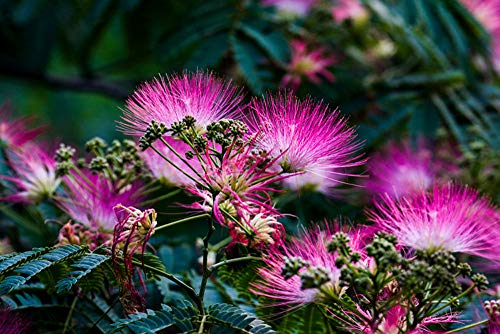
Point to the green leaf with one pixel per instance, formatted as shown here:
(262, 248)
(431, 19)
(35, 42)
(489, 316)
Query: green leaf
(274, 44)
(232, 317)
(84, 267)
(246, 58)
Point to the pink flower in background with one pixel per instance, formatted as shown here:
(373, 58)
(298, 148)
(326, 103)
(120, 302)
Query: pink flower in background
(15, 132)
(395, 321)
(487, 12)
(89, 200)
(348, 9)
(291, 7)
(164, 171)
(169, 99)
(310, 246)
(448, 217)
(400, 171)
(307, 63)
(306, 138)
(12, 323)
(35, 174)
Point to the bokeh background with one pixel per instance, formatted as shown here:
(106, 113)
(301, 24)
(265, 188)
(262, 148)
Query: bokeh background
(399, 67)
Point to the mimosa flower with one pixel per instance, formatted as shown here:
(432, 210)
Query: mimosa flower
(170, 99)
(399, 171)
(35, 175)
(89, 199)
(310, 247)
(291, 7)
(15, 132)
(450, 217)
(309, 63)
(348, 9)
(306, 138)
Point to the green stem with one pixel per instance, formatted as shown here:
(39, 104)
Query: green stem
(466, 292)
(160, 198)
(70, 313)
(206, 270)
(181, 158)
(175, 166)
(239, 259)
(221, 244)
(479, 323)
(189, 290)
(205, 215)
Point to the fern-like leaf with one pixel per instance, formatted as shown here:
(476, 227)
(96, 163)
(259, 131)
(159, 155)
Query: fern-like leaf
(84, 267)
(234, 318)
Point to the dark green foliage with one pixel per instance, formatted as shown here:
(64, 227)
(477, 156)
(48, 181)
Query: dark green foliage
(230, 317)
(83, 267)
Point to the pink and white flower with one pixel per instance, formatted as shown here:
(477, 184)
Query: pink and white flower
(169, 99)
(306, 138)
(307, 62)
(298, 8)
(89, 199)
(348, 9)
(15, 132)
(398, 170)
(448, 217)
(35, 174)
(310, 246)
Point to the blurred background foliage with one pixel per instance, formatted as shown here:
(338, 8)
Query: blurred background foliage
(406, 67)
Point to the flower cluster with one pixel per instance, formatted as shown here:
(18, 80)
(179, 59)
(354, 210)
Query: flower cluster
(234, 165)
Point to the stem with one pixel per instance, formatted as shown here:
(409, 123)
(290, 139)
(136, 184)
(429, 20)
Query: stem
(206, 270)
(239, 259)
(70, 313)
(456, 330)
(205, 215)
(221, 244)
(466, 292)
(175, 166)
(189, 290)
(160, 198)
(181, 158)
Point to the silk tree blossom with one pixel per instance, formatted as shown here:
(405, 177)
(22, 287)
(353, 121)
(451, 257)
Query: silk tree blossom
(164, 171)
(487, 12)
(398, 170)
(35, 174)
(291, 8)
(13, 323)
(394, 321)
(171, 98)
(15, 132)
(448, 217)
(306, 138)
(307, 62)
(237, 193)
(343, 10)
(311, 246)
(89, 200)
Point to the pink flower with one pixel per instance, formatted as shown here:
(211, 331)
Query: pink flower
(311, 246)
(170, 99)
(348, 9)
(89, 199)
(308, 138)
(400, 171)
(12, 323)
(394, 321)
(309, 63)
(35, 176)
(164, 171)
(487, 12)
(15, 133)
(449, 217)
(291, 7)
